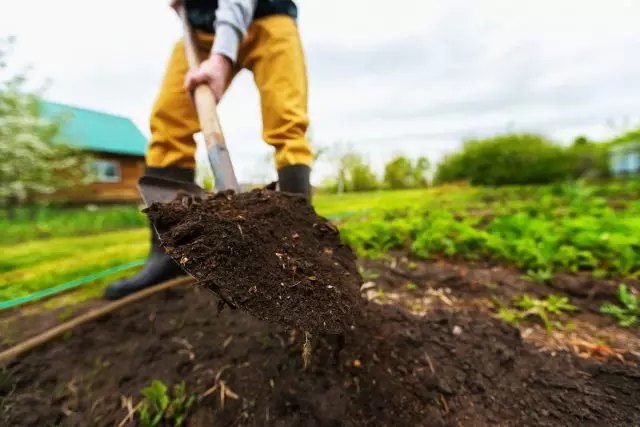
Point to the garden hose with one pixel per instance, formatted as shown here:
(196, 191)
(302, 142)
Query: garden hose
(66, 286)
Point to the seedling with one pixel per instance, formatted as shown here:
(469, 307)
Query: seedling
(368, 275)
(527, 306)
(412, 286)
(628, 314)
(159, 406)
(541, 275)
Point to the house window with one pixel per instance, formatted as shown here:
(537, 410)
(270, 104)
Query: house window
(107, 171)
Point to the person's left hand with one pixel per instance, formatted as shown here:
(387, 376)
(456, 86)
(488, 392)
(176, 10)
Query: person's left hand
(214, 71)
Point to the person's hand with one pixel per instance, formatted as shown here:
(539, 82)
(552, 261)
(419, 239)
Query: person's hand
(214, 71)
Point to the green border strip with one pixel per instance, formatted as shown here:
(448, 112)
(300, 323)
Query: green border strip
(86, 279)
(69, 285)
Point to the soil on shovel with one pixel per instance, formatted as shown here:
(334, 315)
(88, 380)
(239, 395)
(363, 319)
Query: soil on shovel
(447, 368)
(266, 252)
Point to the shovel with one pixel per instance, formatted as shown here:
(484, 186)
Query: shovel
(156, 189)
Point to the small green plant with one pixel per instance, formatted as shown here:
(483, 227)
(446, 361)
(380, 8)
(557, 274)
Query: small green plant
(527, 306)
(159, 406)
(540, 275)
(412, 286)
(628, 314)
(368, 275)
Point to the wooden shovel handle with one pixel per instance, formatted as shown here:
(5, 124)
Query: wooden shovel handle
(206, 103)
(206, 107)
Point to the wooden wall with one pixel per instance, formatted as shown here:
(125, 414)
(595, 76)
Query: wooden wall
(126, 190)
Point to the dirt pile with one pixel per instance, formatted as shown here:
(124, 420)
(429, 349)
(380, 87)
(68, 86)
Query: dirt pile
(446, 369)
(266, 252)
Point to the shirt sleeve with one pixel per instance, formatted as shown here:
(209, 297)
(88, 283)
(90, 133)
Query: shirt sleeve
(233, 18)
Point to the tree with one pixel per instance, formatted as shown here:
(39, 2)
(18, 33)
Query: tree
(420, 171)
(400, 172)
(360, 177)
(34, 160)
(351, 170)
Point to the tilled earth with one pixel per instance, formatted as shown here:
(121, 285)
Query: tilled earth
(447, 368)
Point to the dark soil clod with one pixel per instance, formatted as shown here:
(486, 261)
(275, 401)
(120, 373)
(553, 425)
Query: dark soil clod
(266, 252)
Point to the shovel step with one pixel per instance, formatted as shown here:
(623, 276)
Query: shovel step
(156, 189)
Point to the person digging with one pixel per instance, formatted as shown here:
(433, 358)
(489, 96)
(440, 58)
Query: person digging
(260, 36)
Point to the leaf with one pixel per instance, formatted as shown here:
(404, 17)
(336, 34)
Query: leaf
(624, 295)
(509, 315)
(525, 302)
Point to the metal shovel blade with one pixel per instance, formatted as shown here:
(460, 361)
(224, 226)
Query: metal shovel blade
(156, 189)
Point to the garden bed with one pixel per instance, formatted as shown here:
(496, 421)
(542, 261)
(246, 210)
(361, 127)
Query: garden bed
(451, 367)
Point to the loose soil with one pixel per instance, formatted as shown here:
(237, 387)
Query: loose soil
(266, 252)
(448, 368)
(487, 286)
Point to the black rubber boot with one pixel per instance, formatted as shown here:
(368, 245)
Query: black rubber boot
(295, 179)
(159, 266)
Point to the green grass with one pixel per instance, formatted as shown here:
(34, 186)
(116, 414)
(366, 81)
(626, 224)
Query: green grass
(47, 263)
(327, 205)
(57, 222)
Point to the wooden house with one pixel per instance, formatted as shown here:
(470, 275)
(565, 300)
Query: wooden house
(117, 146)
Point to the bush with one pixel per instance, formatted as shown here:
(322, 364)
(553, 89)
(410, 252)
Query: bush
(508, 159)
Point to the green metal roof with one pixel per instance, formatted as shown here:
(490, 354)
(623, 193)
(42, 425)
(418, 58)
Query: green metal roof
(97, 131)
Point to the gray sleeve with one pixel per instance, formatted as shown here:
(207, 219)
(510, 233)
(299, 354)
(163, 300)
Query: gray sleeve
(233, 18)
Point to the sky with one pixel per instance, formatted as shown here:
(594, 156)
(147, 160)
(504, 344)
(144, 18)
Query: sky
(413, 77)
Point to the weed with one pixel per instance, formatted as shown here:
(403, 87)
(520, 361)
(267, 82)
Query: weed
(541, 275)
(368, 275)
(412, 286)
(628, 314)
(527, 306)
(159, 407)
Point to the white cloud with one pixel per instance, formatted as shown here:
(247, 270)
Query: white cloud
(409, 75)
